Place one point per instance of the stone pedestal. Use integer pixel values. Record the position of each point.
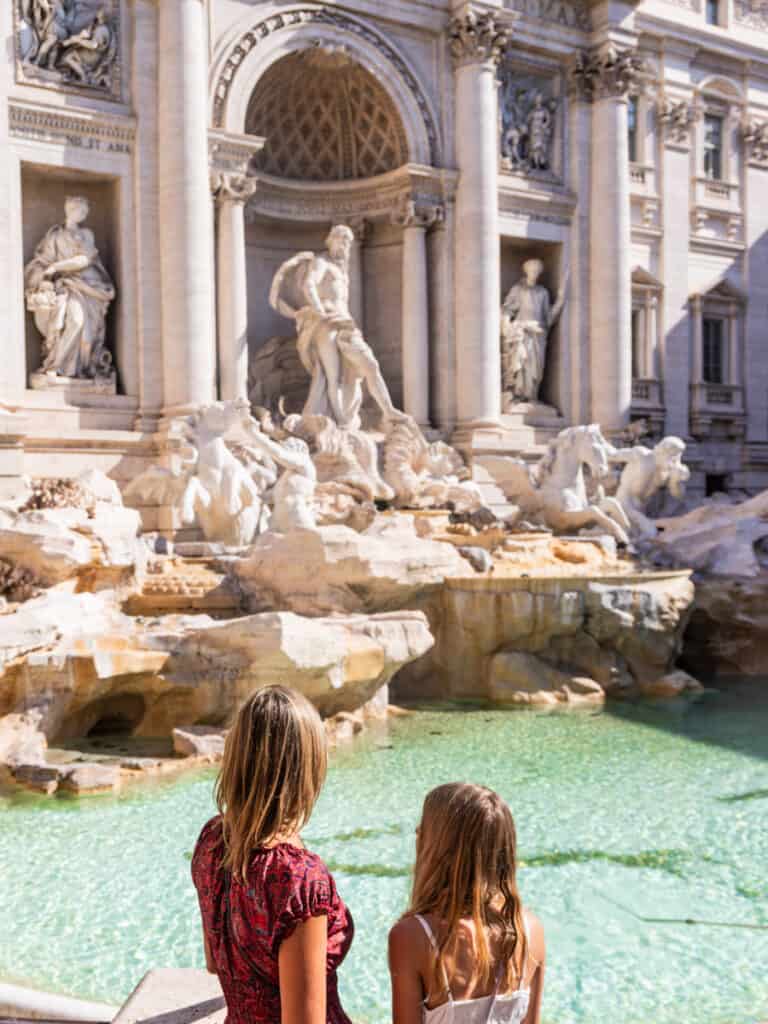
(232, 192)
(477, 42)
(13, 429)
(186, 220)
(74, 388)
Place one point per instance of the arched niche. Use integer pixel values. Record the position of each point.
(251, 48)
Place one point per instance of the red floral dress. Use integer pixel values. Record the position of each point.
(284, 886)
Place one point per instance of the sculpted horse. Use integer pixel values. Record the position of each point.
(555, 488)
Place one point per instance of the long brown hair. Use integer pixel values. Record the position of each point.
(274, 765)
(466, 867)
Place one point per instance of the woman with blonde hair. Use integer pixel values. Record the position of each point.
(465, 951)
(274, 927)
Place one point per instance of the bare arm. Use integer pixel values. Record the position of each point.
(73, 264)
(302, 970)
(536, 983)
(312, 280)
(405, 956)
(282, 456)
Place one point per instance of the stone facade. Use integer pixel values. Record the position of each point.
(624, 146)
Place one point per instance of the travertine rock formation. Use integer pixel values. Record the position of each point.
(529, 640)
(337, 569)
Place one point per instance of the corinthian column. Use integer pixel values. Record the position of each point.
(231, 192)
(415, 218)
(477, 44)
(186, 220)
(605, 79)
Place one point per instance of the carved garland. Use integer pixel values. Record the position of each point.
(755, 135)
(334, 19)
(677, 119)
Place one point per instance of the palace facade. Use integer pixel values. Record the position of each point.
(622, 144)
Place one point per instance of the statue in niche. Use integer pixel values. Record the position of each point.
(527, 317)
(313, 290)
(527, 128)
(69, 292)
(73, 40)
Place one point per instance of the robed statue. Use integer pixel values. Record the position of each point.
(527, 317)
(313, 290)
(69, 292)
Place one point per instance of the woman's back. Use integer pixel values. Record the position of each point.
(456, 995)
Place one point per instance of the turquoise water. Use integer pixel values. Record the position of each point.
(629, 822)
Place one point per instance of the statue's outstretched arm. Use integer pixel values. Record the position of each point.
(283, 456)
(562, 294)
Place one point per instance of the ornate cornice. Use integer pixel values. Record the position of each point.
(233, 154)
(608, 71)
(323, 16)
(364, 198)
(676, 118)
(102, 132)
(478, 37)
(755, 136)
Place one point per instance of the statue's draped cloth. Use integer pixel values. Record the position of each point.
(337, 395)
(70, 309)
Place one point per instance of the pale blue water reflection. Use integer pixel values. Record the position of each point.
(626, 831)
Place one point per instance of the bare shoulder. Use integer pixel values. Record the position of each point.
(407, 932)
(536, 935)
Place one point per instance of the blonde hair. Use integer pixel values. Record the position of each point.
(465, 867)
(274, 765)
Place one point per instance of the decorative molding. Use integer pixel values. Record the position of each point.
(676, 118)
(568, 13)
(102, 132)
(411, 211)
(76, 49)
(477, 37)
(751, 13)
(372, 198)
(232, 154)
(606, 72)
(309, 16)
(553, 206)
(755, 136)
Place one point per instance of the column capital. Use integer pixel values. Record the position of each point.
(676, 118)
(411, 211)
(607, 71)
(478, 36)
(360, 228)
(232, 188)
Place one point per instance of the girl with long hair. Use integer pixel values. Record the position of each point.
(465, 951)
(274, 926)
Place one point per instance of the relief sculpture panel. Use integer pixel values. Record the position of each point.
(70, 43)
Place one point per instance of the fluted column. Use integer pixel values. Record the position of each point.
(415, 218)
(186, 221)
(477, 43)
(605, 78)
(361, 229)
(232, 191)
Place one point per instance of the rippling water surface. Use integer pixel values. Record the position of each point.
(642, 832)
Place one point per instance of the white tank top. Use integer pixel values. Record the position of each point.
(510, 1008)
